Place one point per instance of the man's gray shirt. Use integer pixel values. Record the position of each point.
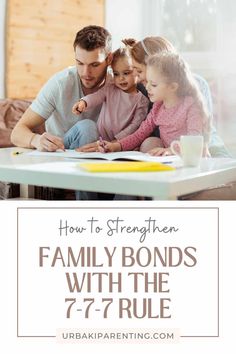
(55, 100)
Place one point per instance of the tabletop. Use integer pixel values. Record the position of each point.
(65, 173)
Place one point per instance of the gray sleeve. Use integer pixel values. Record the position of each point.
(205, 90)
(45, 102)
(216, 144)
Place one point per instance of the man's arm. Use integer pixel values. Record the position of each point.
(23, 136)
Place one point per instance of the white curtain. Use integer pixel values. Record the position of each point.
(127, 19)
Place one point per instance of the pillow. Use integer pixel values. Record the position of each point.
(5, 138)
(11, 110)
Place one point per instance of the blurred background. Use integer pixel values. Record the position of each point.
(36, 38)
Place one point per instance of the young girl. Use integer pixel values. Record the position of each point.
(178, 108)
(139, 51)
(123, 106)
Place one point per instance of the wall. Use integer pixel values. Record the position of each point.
(2, 47)
(127, 19)
(40, 40)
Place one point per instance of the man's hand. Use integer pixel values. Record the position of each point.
(79, 107)
(47, 142)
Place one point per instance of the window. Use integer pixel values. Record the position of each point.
(191, 24)
(204, 31)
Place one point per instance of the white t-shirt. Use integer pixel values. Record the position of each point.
(55, 100)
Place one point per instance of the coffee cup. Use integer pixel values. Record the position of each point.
(189, 148)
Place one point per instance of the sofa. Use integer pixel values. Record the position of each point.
(11, 110)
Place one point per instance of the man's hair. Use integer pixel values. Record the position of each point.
(93, 37)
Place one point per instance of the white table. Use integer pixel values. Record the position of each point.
(62, 173)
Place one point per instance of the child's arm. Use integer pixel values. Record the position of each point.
(146, 128)
(138, 117)
(91, 101)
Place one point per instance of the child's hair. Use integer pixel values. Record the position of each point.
(140, 50)
(120, 53)
(175, 69)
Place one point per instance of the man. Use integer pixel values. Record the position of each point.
(53, 105)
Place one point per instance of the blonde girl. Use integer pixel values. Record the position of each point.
(140, 51)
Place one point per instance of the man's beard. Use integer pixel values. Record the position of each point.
(93, 84)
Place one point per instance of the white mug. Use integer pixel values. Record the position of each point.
(189, 148)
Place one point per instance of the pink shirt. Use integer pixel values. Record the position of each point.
(183, 119)
(121, 113)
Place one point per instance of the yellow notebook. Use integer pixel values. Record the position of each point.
(128, 166)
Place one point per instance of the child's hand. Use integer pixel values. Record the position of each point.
(97, 147)
(108, 147)
(92, 147)
(79, 107)
(159, 151)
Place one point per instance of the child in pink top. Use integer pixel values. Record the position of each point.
(178, 109)
(123, 106)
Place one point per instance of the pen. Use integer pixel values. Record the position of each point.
(17, 152)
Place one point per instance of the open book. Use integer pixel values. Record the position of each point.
(110, 156)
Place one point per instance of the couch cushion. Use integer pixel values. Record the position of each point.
(5, 138)
(11, 111)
